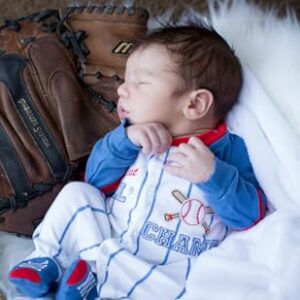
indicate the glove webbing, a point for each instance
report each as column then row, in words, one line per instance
column 36, row 17
column 75, row 40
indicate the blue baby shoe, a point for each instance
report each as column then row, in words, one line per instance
column 78, row 282
column 36, row 276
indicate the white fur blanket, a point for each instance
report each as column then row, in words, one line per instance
column 264, row 262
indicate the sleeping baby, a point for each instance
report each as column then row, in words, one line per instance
column 167, row 184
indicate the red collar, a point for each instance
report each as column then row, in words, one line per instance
column 207, row 138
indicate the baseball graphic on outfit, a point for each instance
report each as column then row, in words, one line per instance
column 192, row 211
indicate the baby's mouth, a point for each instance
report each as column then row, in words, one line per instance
column 122, row 113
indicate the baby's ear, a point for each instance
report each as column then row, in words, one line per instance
column 198, row 104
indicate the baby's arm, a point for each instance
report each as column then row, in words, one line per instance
column 233, row 191
column 110, row 158
column 226, row 178
column 116, row 152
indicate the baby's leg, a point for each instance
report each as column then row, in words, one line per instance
column 74, row 226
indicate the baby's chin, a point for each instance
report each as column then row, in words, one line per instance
column 127, row 121
column 132, row 121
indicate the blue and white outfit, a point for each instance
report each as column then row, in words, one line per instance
column 141, row 228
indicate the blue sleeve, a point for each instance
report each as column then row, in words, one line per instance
column 233, row 191
column 110, row 158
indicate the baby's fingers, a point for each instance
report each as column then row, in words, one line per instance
column 165, row 139
column 176, row 159
column 196, row 143
column 145, row 143
column 174, row 169
column 160, row 139
column 154, row 140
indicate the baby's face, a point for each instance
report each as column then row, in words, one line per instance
column 150, row 92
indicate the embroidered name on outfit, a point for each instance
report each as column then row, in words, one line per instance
column 182, row 243
column 132, row 172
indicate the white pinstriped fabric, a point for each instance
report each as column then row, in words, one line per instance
column 127, row 238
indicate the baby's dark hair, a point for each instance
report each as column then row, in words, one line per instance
column 204, row 60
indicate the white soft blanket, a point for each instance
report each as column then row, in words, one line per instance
column 264, row 262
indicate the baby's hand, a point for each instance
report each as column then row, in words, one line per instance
column 154, row 138
column 194, row 161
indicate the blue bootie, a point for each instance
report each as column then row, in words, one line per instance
column 36, row 276
column 78, row 282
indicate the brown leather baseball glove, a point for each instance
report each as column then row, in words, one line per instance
column 58, row 80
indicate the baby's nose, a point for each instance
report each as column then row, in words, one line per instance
column 123, row 90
